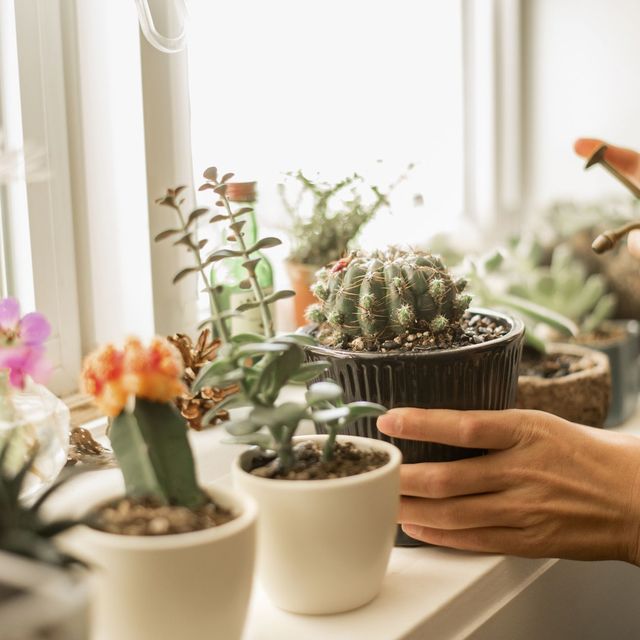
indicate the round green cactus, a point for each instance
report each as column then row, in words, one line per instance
column 384, row 294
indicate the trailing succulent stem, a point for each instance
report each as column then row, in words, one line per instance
column 186, row 232
column 239, row 249
column 383, row 294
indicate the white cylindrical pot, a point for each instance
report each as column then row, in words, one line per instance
column 190, row 585
column 324, row 545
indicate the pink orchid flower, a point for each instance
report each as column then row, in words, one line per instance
column 22, row 344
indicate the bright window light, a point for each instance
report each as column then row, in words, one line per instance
column 334, row 88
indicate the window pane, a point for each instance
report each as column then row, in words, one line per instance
column 333, row 87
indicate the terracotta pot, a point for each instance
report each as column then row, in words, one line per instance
column 623, row 362
column 480, row 376
column 190, row 585
column 324, row 545
column 581, row 397
column 302, row 276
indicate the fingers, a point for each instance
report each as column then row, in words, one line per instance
column 625, row 160
column 487, row 539
column 449, row 479
column 471, row 429
column 466, row 512
column 633, row 243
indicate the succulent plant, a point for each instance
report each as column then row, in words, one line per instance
column 383, row 294
column 494, row 279
column 23, row 530
column 565, row 287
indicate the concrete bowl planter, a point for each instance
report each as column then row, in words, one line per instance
column 622, row 351
column 324, row 545
column 480, row 376
column 582, row 396
column 193, row 585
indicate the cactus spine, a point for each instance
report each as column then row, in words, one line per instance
column 385, row 294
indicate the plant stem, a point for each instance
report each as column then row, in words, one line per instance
column 267, row 320
column 329, row 445
column 218, row 325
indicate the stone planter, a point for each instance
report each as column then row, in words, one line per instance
column 581, row 397
column 190, row 585
column 324, row 545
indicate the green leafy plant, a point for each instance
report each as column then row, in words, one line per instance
column 565, row 287
column 338, row 212
column 237, row 248
column 23, row 529
column 259, row 365
column 494, row 282
column 380, row 295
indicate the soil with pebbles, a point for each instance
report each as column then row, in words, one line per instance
column 147, row 517
column 551, row 365
column 473, row 329
column 347, row 460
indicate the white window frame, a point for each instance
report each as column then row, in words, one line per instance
column 42, row 95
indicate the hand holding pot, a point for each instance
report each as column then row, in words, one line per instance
column 547, row 488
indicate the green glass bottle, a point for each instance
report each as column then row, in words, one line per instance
column 230, row 272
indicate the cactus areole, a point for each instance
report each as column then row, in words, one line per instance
column 369, row 300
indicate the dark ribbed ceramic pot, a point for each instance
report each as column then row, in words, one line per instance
column 481, row 376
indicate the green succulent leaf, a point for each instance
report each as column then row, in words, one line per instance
column 277, row 372
column 195, row 214
column 251, row 349
column 220, row 254
column 279, row 295
column 184, row 273
column 241, row 427
column 538, row 313
column 166, row 234
column 309, row 371
column 327, row 391
column 301, row 339
column 211, row 173
column 330, row 415
column 288, row 413
column 247, row 305
column 362, row 409
column 246, row 338
column 265, row 243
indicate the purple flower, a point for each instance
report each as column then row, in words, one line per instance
column 22, row 343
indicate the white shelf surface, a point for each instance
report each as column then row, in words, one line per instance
column 428, row 592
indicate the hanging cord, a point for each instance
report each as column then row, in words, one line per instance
column 160, row 42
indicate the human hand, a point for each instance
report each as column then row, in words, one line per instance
column 624, row 160
column 548, row 487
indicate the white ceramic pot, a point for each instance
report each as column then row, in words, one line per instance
column 189, row 585
column 324, row 545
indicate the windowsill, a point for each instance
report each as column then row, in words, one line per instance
column 428, row 591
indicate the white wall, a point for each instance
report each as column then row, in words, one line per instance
column 582, row 78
